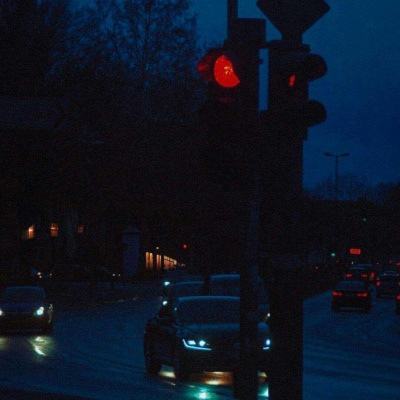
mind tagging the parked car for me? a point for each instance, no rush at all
(387, 283)
(362, 272)
(201, 333)
(351, 293)
(25, 307)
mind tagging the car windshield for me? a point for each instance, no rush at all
(351, 285)
(208, 310)
(22, 294)
(185, 289)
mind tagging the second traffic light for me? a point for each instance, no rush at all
(292, 67)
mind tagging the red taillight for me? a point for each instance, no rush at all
(398, 297)
(378, 283)
(363, 294)
(335, 293)
(364, 275)
(372, 275)
(348, 275)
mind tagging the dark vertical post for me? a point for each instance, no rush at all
(337, 177)
(232, 14)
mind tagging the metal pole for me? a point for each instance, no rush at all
(232, 15)
(336, 176)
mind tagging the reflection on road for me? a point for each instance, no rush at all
(42, 345)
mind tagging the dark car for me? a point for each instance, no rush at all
(364, 272)
(229, 285)
(181, 289)
(397, 299)
(387, 283)
(201, 333)
(25, 307)
(355, 294)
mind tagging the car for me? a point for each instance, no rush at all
(201, 333)
(181, 289)
(387, 283)
(358, 273)
(229, 285)
(397, 300)
(25, 307)
(351, 293)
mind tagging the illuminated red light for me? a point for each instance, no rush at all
(398, 297)
(224, 72)
(292, 80)
(363, 294)
(348, 275)
(378, 283)
(364, 275)
(337, 294)
(355, 251)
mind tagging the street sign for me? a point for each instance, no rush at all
(41, 113)
(293, 17)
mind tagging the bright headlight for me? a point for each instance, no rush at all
(39, 312)
(1, 312)
(165, 302)
(267, 344)
(167, 283)
(193, 344)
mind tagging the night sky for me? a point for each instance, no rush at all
(359, 39)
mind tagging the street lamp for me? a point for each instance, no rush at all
(336, 156)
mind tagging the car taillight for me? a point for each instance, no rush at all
(398, 297)
(378, 283)
(363, 294)
(335, 293)
(364, 275)
(348, 275)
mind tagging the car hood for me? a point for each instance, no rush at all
(20, 307)
(221, 331)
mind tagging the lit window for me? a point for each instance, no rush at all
(149, 260)
(54, 229)
(81, 229)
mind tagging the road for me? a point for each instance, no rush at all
(96, 353)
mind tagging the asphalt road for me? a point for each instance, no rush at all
(96, 353)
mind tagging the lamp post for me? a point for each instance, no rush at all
(336, 156)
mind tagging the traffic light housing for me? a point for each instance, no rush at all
(292, 68)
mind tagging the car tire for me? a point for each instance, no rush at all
(181, 370)
(152, 366)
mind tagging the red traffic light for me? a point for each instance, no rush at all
(219, 66)
(355, 251)
(185, 246)
(224, 72)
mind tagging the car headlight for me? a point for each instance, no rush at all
(39, 312)
(193, 344)
(167, 283)
(165, 302)
(267, 344)
(1, 312)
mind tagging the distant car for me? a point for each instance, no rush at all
(201, 333)
(354, 294)
(397, 300)
(181, 289)
(25, 307)
(387, 283)
(229, 285)
(360, 273)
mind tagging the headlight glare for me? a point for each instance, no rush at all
(39, 312)
(193, 344)
(267, 344)
(1, 312)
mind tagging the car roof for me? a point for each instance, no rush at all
(217, 277)
(207, 299)
(349, 285)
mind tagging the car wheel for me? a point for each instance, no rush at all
(181, 371)
(153, 367)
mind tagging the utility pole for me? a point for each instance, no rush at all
(337, 157)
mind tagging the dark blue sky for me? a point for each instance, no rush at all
(359, 39)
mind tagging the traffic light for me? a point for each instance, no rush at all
(292, 67)
(219, 68)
